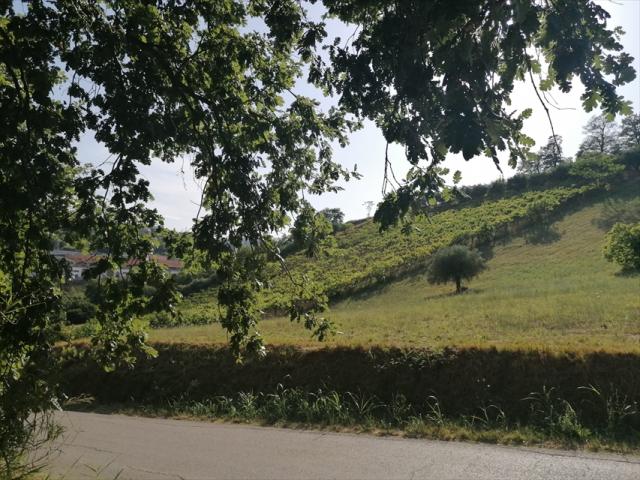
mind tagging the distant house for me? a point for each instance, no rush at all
(172, 264)
(78, 261)
(81, 262)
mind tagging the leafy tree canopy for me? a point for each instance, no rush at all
(601, 136)
(454, 264)
(335, 216)
(551, 153)
(530, 164)
(630, 131)
(548, 157)
(623, 246)
(437, 77)
(311, 230)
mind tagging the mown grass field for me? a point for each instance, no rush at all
(556, 294)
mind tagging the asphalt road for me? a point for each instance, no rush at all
(114, 446)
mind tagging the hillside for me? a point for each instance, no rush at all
(364, 257)
(553, 290)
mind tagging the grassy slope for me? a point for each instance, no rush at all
(558, 295)
(364, 257)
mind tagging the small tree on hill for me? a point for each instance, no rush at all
(335, 216)
(601, 136)
(454, 264)
(369, 206)
(630, 132)
(530, 164)
(550, 155)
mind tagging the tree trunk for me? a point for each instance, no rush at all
(458, 285)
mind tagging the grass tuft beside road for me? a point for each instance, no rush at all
(358, 413)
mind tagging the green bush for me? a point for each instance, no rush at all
(558, 174)
(183, 278)
(78, 308)
(198, 285)
(197, 316)
(630, 159)
(517, 184)
(595, 167)
(623, 246)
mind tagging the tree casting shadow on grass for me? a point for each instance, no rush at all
(465, 291)
(628, 274)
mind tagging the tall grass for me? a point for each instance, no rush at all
(28, 456)
(552, 420)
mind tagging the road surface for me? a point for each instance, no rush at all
(115, 446)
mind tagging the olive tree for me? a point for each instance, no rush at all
(454, 264)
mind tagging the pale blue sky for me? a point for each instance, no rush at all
(176, 193)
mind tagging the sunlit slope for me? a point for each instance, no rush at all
(557, 292)
(365, 257)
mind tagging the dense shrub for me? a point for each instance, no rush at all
(623, 246)
(596, 386)
(164, 319)
(595, 167)
(558, 174)
(630, 159)
(78, 308)
(198, 285)
(183, 277)
(517, 183)
(497, 188)
(520, 183)
(475, 192)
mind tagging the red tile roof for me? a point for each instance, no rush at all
(161, 259)
(81, 259)
(87, 260)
